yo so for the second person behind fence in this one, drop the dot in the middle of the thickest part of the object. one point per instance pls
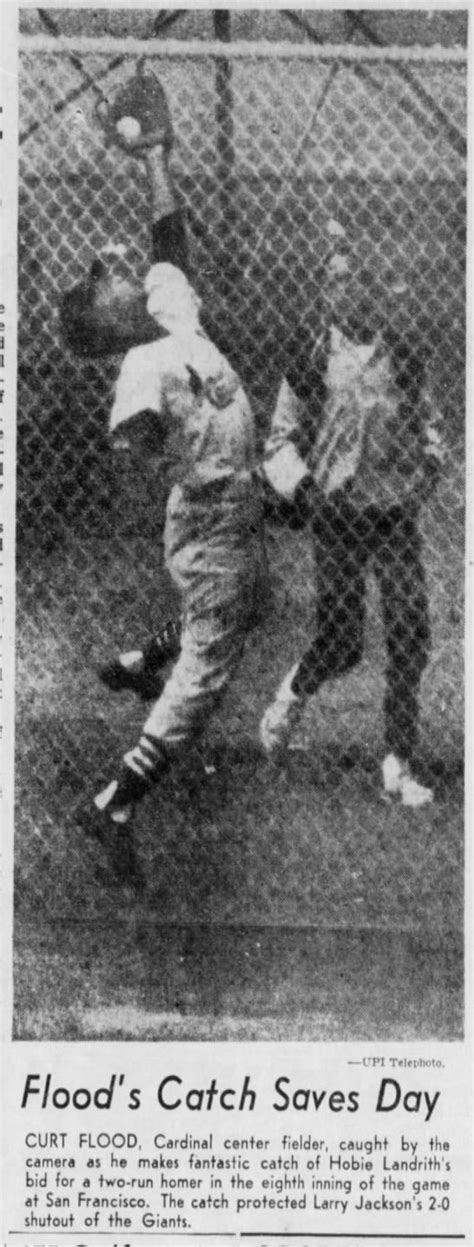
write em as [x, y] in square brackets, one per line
[356, 436]
[182, 392]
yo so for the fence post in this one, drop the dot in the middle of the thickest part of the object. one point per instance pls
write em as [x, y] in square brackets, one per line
[225, 146]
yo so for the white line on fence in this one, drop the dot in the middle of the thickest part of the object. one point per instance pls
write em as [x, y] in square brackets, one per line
[240, 50]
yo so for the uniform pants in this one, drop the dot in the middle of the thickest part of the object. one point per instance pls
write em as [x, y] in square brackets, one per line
[210, 546]
[345, 540]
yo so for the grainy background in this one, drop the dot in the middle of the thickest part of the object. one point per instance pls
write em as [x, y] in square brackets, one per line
[275, 905]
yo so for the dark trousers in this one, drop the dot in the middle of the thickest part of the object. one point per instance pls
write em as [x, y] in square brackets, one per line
[345, 540]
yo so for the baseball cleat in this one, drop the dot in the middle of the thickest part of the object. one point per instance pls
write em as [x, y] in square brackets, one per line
[138, 670]
[119, 798]
[106, 803]
[398, 781]
[114, 806]
[97, 820]
[110, 822]
[122, 674]
[281, 716]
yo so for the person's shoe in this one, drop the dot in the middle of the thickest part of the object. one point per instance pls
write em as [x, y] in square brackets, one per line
[398, 781]
[107, 803]
[127, 672]
[109, 821]
[138, 670]
[281, 716]
[115, 805]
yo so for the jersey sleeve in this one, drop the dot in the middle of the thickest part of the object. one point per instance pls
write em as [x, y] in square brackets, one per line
[296, 416]
[283, 464]
[169, 240]
[139, 386]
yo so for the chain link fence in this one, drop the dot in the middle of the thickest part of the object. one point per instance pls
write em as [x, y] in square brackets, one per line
[270, 148]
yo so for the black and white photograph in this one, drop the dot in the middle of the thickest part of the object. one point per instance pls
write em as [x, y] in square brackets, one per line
[240, 525]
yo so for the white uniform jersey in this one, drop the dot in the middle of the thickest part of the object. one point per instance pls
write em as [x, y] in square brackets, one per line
[198, 399]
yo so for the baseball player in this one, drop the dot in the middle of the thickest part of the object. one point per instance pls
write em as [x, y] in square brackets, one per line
[181, 393]
[107, 312]
[355, 438]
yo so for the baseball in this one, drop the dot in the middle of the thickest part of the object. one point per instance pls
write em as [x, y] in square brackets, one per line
[129, 129]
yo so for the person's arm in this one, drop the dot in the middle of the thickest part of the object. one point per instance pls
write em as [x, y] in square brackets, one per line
[414, 378]
[137, 420]
[283, 464]
[296, 416]
[169, 240]
[434, 449]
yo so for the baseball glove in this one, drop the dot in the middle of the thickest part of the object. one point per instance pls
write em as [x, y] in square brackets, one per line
[141, 100]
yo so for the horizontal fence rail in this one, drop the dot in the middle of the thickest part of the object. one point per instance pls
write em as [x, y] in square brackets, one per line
[240, 50]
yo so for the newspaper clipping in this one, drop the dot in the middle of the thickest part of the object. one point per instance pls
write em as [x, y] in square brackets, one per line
[236, 874]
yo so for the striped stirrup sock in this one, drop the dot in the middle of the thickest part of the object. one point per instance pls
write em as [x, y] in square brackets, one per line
[147, 760]
[164, 645]
[140, 768]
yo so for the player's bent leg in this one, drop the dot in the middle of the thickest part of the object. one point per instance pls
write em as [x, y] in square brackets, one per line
[401, 707]
[338, 643]
[141, 767]
[211, 648]
[109, 818]
[407, 629]
[320, 661]
[282, 716]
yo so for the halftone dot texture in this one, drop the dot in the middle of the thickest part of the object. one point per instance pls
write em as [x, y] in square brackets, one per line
[297, 144]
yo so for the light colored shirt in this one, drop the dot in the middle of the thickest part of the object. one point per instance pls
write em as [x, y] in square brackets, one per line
[198, 399]
[364, 435]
